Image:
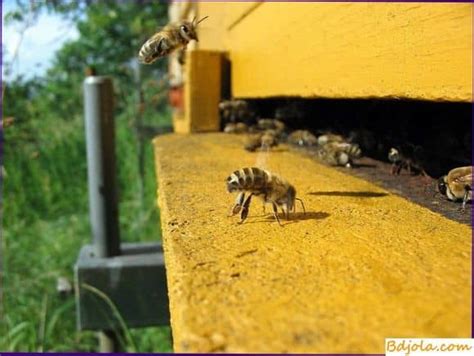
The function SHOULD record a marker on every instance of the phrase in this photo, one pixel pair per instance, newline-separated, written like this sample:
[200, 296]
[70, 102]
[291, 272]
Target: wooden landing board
[361, 265]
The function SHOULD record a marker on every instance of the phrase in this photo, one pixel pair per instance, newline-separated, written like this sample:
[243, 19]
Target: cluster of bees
[333, 149]
[267, 133]
[456, 185]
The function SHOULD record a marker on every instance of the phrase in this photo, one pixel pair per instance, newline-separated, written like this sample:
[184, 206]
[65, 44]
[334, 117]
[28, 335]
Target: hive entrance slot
[439, 131]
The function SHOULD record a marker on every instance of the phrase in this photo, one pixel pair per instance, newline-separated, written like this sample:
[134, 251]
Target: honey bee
[236, 128]
[408, 158]
[236, 110]
[269, 139]
[267, 186]
[302, 138]
[457, 185]
[328, 138]
[253, 142]
[340, 153]
[364, 138]
[293, 111]
[265, 140]
[171, 37]
[271, 124]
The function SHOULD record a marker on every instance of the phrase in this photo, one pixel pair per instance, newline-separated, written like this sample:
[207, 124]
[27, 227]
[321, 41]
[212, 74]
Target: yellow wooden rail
[361, 265]
[344, 50]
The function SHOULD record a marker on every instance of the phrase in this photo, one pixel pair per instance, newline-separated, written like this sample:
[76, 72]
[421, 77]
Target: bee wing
[464, 180]
[155, 47]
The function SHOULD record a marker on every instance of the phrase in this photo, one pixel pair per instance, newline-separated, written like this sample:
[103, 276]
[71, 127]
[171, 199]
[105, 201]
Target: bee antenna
[201, 20]
[302, 204]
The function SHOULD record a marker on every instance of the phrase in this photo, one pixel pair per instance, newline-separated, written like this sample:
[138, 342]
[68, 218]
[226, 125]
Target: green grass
[45, 222]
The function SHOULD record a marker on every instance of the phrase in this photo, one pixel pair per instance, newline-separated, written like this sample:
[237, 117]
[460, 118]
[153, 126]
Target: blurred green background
[45, 202]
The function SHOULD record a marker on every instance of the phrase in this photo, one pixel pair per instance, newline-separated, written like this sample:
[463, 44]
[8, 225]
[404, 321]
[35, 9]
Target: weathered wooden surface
[361, 265]
[344, 50]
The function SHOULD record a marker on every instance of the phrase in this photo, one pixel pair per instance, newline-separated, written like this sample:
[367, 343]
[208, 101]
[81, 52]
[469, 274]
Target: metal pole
[100, 137]
[103, 204]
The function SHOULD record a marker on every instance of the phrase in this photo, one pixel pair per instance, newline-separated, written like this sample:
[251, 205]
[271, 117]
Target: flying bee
[328, 138]
[406, 157]
[302, 138]
[267, 186]
[170, 38]
[457, 185]
[340, 153]
[265, 140]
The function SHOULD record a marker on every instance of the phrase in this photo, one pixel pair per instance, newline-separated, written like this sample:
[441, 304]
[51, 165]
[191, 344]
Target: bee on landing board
[408, 157]
[302, 138]
[269, 139]
[236, 128]
[457, 185]
[267, 186]
[339, 153]
[271, 124]
[170, 38]
[253, 142]
[265, 141]
[329, 137]
[233, 111]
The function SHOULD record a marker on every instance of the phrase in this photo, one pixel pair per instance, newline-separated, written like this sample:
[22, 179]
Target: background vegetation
[45, 205]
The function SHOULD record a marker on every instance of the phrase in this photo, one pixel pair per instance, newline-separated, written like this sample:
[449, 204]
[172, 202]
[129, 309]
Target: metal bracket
[132, 285]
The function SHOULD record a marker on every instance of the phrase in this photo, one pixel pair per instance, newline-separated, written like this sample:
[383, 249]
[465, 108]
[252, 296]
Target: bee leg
[464, 200]
[275, 213]
[393, 169]
[245, 209]
[182, 56]
[163, 47]
[302, 205]
[263, 207]
[238, 204]
[399, 168]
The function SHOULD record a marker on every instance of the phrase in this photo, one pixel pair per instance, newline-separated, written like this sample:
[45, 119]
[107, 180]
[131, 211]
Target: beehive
[338, 50]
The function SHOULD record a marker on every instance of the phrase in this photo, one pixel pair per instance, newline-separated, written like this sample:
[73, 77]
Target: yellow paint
[222, 16]
[344, 50]
[351, 272]
[202, 92]
[179, 122]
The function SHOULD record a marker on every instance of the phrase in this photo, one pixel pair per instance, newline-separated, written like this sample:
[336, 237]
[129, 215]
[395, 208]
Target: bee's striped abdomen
[354, 151]
[152, 49]
[247, 179]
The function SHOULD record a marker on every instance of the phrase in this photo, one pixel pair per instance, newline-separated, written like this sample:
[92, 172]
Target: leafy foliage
[45, 210]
